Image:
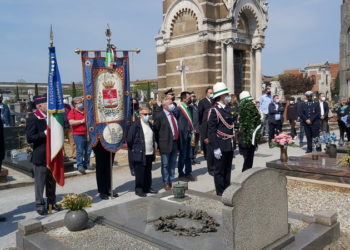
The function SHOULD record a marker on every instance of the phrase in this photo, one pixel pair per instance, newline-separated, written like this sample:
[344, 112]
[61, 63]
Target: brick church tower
[202, 42]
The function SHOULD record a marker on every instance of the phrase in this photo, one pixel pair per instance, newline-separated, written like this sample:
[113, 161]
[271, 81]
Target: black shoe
[55, 207]
[2, 219]
[182, 178]
[308, 151]
[91, 168]
[211, 173]
[151, 191]
[42, 211]
[104, 196]
[141, 194]
[190, 177]
[115, 194]
[82, 170]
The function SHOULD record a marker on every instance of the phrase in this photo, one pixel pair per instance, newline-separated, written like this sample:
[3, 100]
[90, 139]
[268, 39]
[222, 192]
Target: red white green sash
[186, 113]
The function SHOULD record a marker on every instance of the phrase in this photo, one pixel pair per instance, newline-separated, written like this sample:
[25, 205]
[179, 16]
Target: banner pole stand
[111, 164]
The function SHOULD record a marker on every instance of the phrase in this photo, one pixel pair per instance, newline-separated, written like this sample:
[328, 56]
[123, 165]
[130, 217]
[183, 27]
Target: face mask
[80, 106]
[173, 98]
[277, 100]
[171, 107]
[145, 118]
[305, 100]
[323, 98]
[189, 101]
[194, 100]
[291, 102]
[211, 96]
[227, 99]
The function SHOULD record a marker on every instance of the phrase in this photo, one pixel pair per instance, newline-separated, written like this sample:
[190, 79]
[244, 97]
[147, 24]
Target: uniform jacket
[185, 130]
[203, 105]
[136, 144]
[163, 134]
[309, 111]
[215, 124]
[273, 111]
[35, 132]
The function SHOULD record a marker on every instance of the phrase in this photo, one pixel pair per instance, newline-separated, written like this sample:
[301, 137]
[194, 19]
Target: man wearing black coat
[2, 152]
[275, 117]
[204, 106]
[292, 116]
[324, 110]
[140, 140]
[184, 115]
[167, 137]
[36, 134]
[309, 114]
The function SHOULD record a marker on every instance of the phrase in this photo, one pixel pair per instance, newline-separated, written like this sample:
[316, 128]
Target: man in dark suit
[167, 137]
[184, 114]
[324, 110]
[309, 114]
[275, 117]
[2, 152]
[36, 134]
[204, 106]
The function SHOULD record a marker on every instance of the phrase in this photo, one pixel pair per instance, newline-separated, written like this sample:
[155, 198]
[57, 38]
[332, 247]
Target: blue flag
[54, 91]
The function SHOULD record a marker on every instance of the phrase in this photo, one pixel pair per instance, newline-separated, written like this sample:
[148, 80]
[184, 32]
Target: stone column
[258, 69]
[230, 73]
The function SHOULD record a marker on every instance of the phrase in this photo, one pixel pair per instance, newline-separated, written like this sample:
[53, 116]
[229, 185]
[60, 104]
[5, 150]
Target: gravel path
[308, 198]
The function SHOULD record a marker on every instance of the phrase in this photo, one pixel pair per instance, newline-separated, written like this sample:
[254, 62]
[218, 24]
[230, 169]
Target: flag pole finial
[51, 36]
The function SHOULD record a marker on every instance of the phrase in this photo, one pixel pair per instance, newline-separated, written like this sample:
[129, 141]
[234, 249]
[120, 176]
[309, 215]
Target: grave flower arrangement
[76, 218]
[329, 138]
[345, 161]
[283, 141]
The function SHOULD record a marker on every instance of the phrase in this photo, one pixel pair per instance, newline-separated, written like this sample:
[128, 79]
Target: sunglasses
[145, 113]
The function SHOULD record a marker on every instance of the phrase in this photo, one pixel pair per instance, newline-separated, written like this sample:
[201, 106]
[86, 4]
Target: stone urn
[179, 190]
[284, 155]
[76, 220]
[332, 150]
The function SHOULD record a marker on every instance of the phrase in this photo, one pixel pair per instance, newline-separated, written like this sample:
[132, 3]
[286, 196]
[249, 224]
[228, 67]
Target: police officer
[309, 114]
[221, 133]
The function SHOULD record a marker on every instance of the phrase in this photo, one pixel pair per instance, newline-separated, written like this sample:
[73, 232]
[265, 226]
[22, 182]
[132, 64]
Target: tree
[335, 90]
[295, 84]
[74, 90]
[36, 90]
[17, 93]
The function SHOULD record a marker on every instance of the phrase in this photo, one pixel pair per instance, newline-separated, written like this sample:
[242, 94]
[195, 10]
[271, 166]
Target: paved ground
[17, 204]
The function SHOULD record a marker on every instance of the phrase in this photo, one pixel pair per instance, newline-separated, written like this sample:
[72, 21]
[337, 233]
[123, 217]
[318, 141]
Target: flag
[55, 129]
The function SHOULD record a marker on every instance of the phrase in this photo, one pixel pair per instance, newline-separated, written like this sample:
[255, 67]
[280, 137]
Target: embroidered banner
[106, 98]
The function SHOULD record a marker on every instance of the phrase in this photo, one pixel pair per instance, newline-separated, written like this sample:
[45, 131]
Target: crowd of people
[217, 125]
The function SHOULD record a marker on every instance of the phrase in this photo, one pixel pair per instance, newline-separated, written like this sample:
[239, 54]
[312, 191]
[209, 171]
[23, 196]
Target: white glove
[217, 153]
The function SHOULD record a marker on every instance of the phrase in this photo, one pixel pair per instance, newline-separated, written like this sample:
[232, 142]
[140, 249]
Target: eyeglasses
[145, 114]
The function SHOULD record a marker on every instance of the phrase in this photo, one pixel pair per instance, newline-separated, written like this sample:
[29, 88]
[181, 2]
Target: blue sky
[299, 32]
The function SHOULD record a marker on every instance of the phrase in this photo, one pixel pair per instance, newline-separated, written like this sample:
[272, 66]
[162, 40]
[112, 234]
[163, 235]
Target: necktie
[176, 131]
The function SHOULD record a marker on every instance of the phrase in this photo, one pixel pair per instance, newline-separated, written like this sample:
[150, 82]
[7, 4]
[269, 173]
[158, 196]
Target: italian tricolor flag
[55, 129]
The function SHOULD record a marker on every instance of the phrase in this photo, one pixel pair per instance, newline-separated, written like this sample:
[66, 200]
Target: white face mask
[291, 102]
[277, 100]
[323, 98]
[305, 100]
[227, 99]
[171, 107]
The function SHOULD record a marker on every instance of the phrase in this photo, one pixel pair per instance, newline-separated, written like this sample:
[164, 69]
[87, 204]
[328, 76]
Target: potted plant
[283, 141]
[331, 148]
[76, 218]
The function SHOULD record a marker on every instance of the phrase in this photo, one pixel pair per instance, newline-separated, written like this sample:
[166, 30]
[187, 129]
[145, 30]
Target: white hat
[219, 89]
[244, 95]
[309, 93]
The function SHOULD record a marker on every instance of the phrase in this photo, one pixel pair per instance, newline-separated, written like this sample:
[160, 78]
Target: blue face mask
[171, 107]
[80, 106]
[145, 118]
